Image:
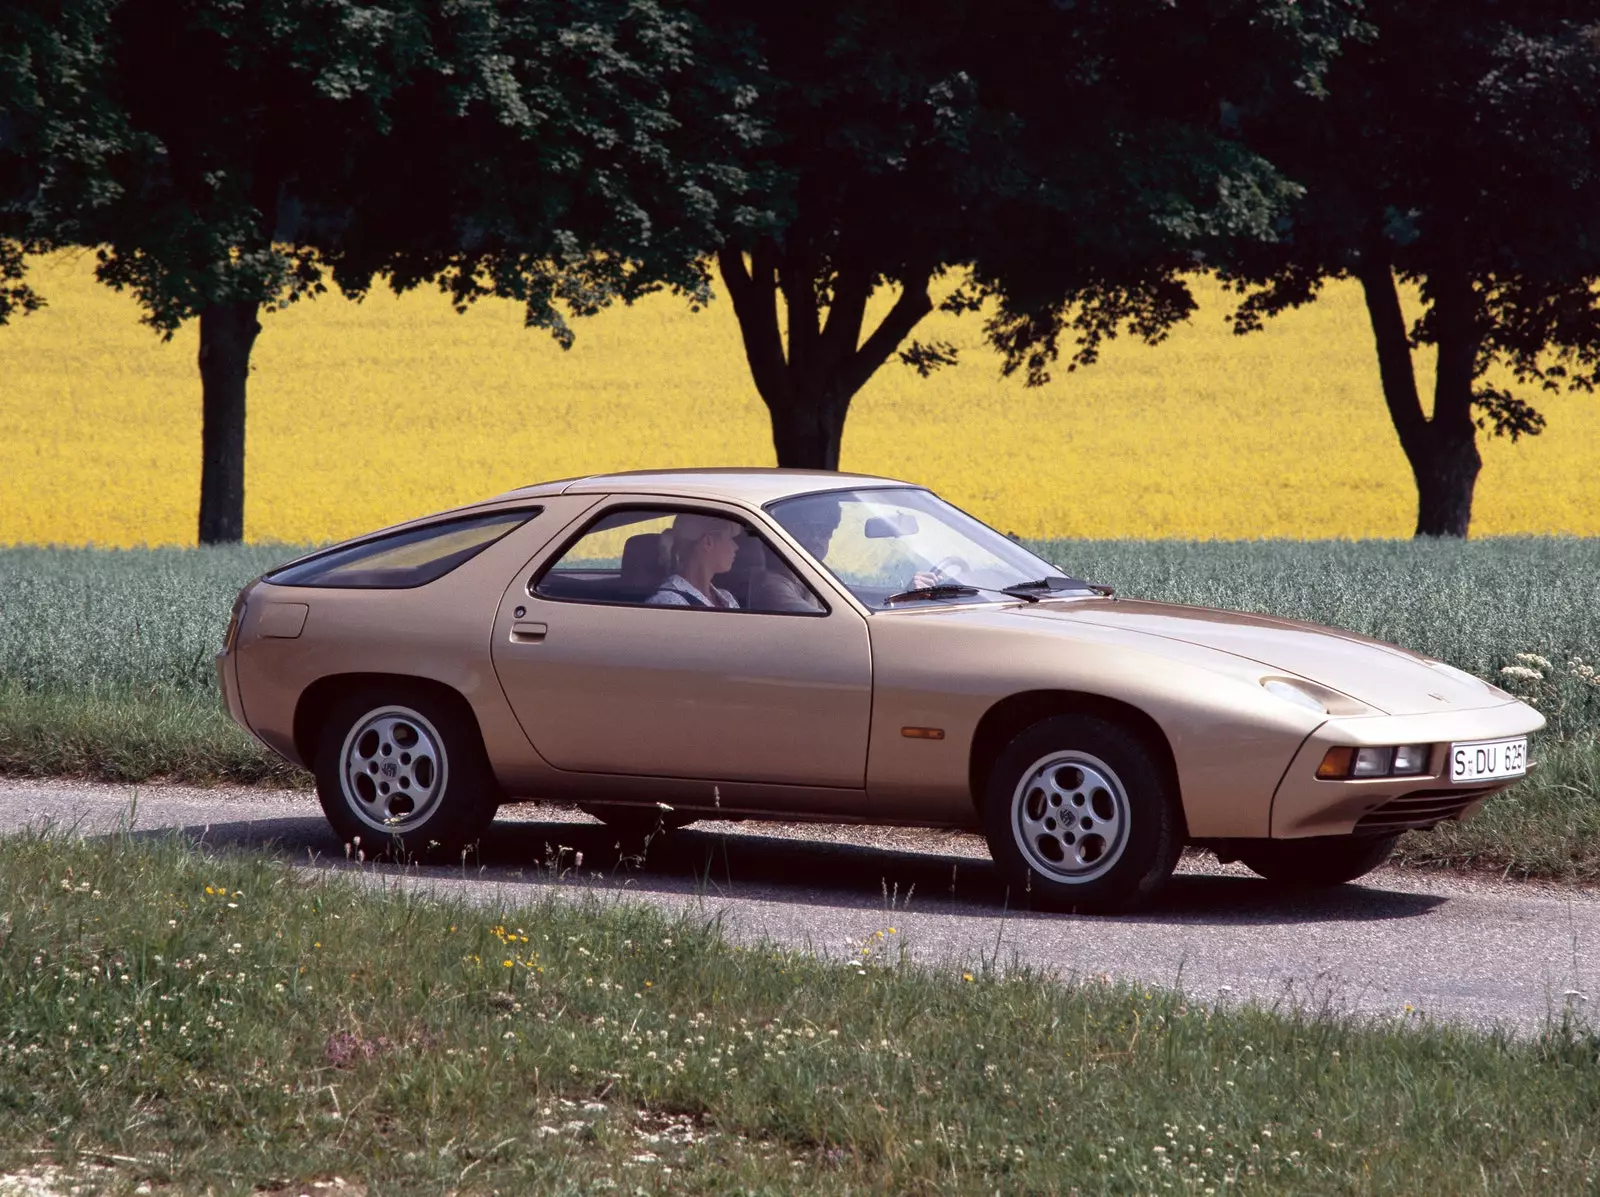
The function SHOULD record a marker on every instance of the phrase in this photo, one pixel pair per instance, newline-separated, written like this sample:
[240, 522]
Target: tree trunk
[807, 429]
[808, 384]
[227, 333]
[1443, 450]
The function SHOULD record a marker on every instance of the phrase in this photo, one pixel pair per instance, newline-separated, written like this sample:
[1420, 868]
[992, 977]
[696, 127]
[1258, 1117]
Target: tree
[1458, 149]
[55, 125]
[1068, 158]
[241, 122]
[259, 144]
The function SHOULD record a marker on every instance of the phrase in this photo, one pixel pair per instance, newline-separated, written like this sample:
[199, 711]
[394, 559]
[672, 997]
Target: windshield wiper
[942, 590]
[955, 590]
[1053, 583]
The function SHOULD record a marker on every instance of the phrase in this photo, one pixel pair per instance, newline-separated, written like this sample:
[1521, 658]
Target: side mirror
[889, 527]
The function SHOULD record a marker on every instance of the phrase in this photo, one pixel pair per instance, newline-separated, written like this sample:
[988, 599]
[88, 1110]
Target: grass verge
[226, 1025]
[125, 737]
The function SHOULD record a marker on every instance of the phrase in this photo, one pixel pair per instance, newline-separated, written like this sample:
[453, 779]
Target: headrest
[644, 561]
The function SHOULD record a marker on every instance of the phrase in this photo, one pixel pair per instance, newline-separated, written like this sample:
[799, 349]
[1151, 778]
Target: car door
[607, 674]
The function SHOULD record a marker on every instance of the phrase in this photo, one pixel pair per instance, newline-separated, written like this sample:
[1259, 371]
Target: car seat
[646, 560]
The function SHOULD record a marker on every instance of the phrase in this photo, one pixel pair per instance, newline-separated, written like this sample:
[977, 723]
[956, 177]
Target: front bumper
[1305, 805]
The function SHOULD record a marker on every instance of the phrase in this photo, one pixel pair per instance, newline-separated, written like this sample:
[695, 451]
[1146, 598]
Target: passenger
[703, 546]
[813, 525]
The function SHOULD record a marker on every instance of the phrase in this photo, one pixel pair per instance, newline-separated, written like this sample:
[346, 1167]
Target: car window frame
[529, 513]
[672, 506]
[982, 600]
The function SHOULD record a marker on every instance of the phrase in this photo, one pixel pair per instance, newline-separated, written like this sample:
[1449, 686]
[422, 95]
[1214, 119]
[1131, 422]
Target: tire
[406, 772]
[1126, 831]
[637, 825]
[1319, 860]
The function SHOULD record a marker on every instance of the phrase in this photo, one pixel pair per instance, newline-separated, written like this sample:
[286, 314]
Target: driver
[813, 525]
[703, 546]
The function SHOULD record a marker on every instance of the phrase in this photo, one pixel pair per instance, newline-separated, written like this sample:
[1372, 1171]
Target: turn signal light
[1336, 763]
[1408, 760]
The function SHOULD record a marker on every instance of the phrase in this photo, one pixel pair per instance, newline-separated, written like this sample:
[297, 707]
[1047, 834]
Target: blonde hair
[690, 526]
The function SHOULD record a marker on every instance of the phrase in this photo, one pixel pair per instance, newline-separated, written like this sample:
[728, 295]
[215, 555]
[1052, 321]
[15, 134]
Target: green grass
[230, 1025]
[1476, 604]
[106, 657]
[1547, 826]
[140, 620]
[130, 737]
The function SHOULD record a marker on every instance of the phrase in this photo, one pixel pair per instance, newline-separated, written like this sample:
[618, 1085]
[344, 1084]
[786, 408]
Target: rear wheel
[404, 772]
[1319, 860]
[1079, 815]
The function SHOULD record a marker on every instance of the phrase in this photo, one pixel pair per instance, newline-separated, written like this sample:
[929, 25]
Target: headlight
[1301, 697]
[1341, 763]
[1410, 759]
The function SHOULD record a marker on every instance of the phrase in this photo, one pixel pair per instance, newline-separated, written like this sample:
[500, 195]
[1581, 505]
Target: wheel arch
[1012, 715]
[317, 699]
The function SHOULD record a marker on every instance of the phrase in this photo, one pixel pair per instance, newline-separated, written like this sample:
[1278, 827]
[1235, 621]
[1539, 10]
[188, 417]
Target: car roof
[751, 485]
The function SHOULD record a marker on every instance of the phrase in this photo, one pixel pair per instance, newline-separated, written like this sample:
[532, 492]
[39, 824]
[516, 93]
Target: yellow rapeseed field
[365, 414]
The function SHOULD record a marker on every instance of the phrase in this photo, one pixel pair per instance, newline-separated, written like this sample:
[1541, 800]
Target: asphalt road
[1457, 948]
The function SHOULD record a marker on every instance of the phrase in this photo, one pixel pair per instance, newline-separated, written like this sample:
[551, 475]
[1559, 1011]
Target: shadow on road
[706, 862]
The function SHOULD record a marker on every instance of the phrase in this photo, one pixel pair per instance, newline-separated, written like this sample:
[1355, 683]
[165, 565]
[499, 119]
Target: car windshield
[899, 546]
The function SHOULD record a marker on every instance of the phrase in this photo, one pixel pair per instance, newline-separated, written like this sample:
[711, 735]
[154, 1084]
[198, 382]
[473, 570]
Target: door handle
[527, 633]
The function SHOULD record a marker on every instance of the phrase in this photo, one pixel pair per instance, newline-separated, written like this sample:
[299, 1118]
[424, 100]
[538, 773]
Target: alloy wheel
[393, 769]
[1070, 817]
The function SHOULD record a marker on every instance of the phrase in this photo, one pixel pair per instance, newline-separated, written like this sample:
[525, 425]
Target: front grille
[1420, 808]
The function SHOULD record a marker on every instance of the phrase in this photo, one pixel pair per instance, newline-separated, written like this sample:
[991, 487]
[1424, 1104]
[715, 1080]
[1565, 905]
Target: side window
[676, 557]
[406, 559]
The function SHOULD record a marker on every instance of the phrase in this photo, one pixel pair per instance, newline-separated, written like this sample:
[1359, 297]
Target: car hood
[1390, 679]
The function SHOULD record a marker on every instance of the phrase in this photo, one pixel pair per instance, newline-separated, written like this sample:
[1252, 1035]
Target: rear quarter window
[403, 560]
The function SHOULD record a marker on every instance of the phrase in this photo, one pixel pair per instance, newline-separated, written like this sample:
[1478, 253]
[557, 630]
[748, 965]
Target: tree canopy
[247, 149]
[1457, 149]
[1067, 161]
[55, 126]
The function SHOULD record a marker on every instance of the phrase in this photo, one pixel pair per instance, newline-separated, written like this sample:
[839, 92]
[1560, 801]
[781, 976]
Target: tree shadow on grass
[705, 861]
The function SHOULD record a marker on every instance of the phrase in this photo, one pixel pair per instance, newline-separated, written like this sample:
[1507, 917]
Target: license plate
[1484, 760]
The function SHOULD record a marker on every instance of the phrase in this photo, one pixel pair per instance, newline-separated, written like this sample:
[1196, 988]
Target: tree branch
[911, 307]
[841, 336]
[1456, 332]
[754, 296]
[1394, 357]
[797, 277]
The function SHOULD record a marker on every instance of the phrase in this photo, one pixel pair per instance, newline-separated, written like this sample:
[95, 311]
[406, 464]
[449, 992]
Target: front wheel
[1080, 815]
[1317, 860]
[403, 772]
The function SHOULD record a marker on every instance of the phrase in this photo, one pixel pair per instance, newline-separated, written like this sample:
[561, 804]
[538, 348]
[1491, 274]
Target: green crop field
[106, 656]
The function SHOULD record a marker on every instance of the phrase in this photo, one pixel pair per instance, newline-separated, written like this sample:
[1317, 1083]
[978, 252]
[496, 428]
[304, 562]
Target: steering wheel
[940, 571]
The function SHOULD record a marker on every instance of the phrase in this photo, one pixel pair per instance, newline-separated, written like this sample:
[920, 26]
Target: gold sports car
[783, 644]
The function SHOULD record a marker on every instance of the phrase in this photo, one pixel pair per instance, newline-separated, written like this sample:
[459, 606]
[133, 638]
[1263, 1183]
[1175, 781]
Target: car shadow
[705, 862]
